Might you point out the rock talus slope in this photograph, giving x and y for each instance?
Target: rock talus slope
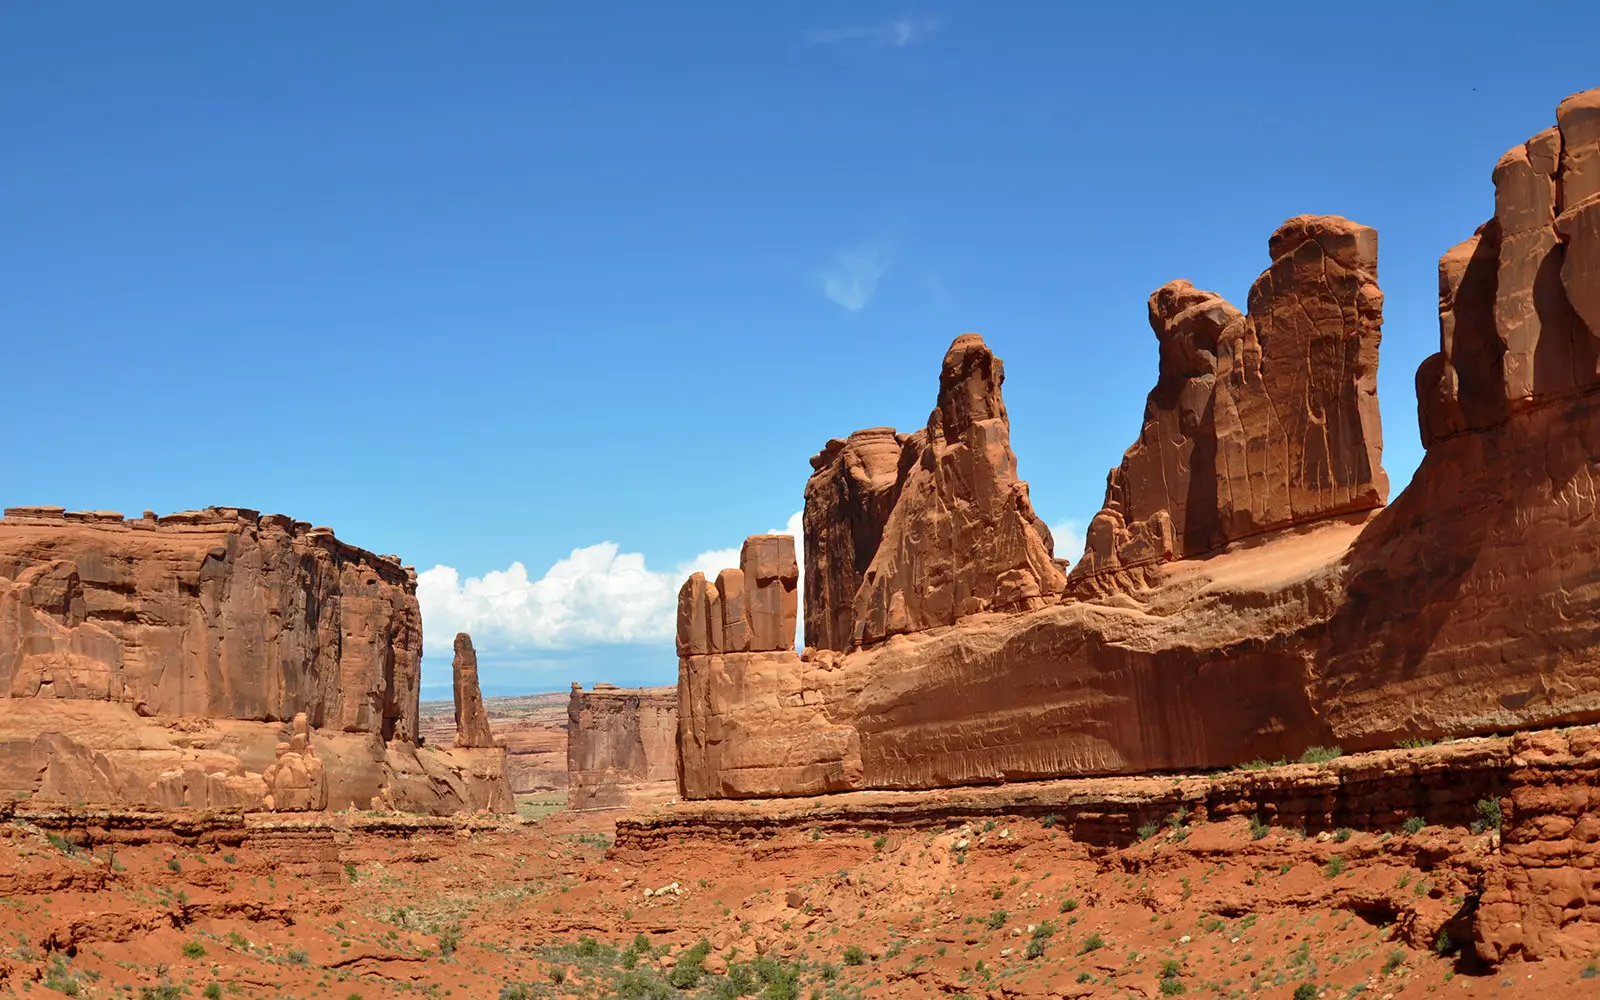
(1244, 593)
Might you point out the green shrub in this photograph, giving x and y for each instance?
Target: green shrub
(173, 865)
(1415, 824)
(1049, 821)
(997, 919)
(1148, 830)
(1444, 944)
(1393, 961)
(1170, 968)
(194, 949)
(854, 956)
(1489, 817)
(878, 842)
(1034, 950)
(213, 991)
(298, 956)
(1068, 905)
(1258, 828)
(1335, 867)
(60, 843)
(1305, 991)
(164, 991)
(1093, 942)
(517, 991)
(1171, 986)
(1342, 834)
(1320, 755)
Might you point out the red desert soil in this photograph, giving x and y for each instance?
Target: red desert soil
(995, 907)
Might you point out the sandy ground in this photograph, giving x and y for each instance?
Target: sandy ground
(996, 908)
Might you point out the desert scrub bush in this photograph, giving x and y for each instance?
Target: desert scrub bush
(1172, 986)
(1148, 830)
(161, 991)
(1489, 817)
(194, 949)
(1049, 821)
(59, 977)
(1068, 905)
(1335, 867)
(174, 865)
(213, 991)
(688, 969)
(1094, 942)
(1415, 824)
(1394, 960)
(1320, 755)
(1342, 834)
(1305, 991)
(997, 919)
(60, 843)
(853, 955)
(879, 841)
(517, 991)
(1259, 765)
(448, 940)
(1258, 828)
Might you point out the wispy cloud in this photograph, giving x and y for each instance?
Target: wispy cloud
(851, 279)
(897, 33)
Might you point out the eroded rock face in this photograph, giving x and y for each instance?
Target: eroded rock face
(1519, 302)
(1276, 604)
(221, 613)
(622, 746)
(910, 532)
(472, 719)
(1259, 420)
(216, 658)
(751, 609)
(854, 484)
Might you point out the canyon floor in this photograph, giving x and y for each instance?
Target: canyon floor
(1001, 906)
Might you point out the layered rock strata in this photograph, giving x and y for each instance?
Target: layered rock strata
(1258, 420)
(217, 658)
(621, 747)
(1289, 609)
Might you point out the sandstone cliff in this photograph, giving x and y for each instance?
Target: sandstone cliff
(1258, 420)
(216, 658)
(910, 532)
(1245, 594)
(621, 747)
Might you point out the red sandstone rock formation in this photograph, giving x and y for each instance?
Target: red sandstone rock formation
(854, 484)
(622, 746)
(472, 720)
(1257, 421)
(751, 609)
(1469, 605)
(909, 532)
(153, 663)
(222, 613)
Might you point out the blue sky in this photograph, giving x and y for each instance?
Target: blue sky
(487, 284)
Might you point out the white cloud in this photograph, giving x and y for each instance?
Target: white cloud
(598, 595)
(1069, 539)
(852, 278)
(897, 33)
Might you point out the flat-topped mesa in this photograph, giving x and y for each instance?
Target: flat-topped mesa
(1258, 420)
(472, 719)
(906, 533)
(1519, 302)
(751, 609)
(221, 613)
(622, 748)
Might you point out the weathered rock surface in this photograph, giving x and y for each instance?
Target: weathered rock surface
(1519, 302)
(1269, 606)
(472, 720)
(215, 658)
(220, 613)
(622, 746)
(751, 609)
(1258, 421)
(910, 532)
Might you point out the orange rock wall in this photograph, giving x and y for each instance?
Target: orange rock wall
(1469, 605)
(621, 747)
(221, 613)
